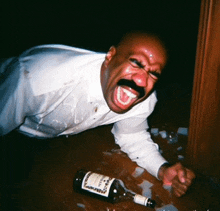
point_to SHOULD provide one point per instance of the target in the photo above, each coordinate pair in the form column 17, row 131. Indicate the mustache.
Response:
column 133, row 85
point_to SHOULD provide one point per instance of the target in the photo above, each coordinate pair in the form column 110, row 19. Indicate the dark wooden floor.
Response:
column 37, row 175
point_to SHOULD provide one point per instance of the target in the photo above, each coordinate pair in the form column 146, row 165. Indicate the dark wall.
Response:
column 97, row 26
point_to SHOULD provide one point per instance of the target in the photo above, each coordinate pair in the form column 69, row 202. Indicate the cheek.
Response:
column 151, row 83
column 116, row 74
column 128, row 70
column 110, row 82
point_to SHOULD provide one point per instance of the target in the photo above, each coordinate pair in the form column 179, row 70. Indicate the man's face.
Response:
column 130, row 71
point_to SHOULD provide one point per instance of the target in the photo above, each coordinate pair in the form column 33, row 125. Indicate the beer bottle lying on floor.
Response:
column 106, row 188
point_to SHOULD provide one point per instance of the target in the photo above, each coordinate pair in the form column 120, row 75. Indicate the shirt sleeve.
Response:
column 132, row 136
column 14, row 92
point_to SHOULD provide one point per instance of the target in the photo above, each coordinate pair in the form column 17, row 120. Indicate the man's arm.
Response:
column 131, row 135
column 13, row 96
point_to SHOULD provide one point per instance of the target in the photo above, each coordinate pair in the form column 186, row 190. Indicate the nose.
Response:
column 140, row 79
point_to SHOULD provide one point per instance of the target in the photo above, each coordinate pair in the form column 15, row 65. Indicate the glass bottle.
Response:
column 107, row 188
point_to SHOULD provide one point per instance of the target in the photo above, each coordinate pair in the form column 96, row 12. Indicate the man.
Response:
column 55, row 90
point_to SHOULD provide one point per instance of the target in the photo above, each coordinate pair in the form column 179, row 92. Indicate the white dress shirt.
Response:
column 54, row 90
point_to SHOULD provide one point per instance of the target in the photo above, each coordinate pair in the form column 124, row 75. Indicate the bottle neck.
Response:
column 139, row 199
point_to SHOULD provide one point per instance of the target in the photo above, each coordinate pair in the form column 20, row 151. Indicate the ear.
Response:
column 111, row 53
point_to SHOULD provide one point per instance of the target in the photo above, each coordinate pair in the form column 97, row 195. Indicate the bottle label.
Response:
column 139, row 199
column 97, row 183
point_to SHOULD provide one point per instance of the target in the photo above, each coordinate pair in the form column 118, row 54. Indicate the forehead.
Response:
column 143, row 45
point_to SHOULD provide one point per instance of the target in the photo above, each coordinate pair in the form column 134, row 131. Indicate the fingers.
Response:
column 182, row 175
column 180, row 171
column 180, row 187
column 190, row 174
column 179, row 192
column 179, row 177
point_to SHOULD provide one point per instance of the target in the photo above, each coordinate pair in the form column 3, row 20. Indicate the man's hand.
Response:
column 178, row 176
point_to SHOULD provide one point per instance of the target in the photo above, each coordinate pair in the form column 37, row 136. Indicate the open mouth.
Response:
column 124, row 96
column 128, row 92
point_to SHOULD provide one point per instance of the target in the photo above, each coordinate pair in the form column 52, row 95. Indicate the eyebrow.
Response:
column 137, row 62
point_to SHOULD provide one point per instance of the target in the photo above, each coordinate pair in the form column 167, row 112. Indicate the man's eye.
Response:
column 155, row 75
column 136, row 62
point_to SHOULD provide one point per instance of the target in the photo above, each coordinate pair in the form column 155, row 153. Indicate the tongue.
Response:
column 123, row 96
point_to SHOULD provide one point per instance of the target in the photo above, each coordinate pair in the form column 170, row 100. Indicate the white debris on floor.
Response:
column 168, row 207
column 81, row 205
column 138, row 172
column 163, row 134
column 146, row 188
column 154, row 131
column 168, row 188
column 182, row 131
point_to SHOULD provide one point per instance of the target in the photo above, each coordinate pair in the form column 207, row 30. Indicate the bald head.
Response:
column 138, row 38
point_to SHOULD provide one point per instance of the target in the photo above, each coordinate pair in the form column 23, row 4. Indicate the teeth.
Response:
column 128, row 93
